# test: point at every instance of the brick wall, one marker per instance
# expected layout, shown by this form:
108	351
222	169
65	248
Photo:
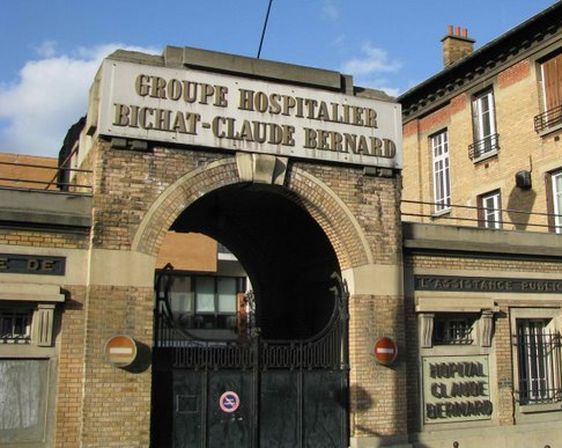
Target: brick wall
502	355
70	378
378	408
128	184
116	402
40	238
517	96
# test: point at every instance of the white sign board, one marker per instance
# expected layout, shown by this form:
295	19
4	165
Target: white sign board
456	388
193	107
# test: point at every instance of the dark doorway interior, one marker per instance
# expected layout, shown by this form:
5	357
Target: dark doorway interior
286	254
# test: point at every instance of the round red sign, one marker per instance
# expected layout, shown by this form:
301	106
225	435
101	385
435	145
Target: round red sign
385	350
121	350
229	401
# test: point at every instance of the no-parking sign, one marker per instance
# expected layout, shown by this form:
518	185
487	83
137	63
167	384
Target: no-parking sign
229	402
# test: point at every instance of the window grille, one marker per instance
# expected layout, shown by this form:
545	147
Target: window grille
539	362
15	326
453	330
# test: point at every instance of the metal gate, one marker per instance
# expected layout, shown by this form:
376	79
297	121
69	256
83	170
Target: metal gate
251	392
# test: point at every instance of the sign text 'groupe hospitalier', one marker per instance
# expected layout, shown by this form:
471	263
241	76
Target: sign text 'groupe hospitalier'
253	131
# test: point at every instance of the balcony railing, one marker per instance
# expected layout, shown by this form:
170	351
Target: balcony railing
29	176
548	119
423	211
485	146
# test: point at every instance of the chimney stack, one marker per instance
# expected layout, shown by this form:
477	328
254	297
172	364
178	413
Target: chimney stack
456	45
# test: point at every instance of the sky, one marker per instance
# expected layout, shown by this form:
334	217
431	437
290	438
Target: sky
51	49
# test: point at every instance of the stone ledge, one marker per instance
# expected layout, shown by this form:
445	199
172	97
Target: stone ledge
45	208
477	240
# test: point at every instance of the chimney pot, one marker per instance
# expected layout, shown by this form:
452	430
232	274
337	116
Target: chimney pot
456	45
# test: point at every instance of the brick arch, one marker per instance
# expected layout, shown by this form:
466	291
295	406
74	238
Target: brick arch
333	216
325	207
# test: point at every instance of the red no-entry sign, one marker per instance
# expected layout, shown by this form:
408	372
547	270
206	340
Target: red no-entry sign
385	350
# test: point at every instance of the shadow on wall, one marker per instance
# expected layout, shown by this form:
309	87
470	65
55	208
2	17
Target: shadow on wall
521	200
361	401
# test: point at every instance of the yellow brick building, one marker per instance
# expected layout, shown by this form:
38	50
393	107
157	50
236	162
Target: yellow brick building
364	329
482	137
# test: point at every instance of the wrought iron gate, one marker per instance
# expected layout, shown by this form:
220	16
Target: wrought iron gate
290	393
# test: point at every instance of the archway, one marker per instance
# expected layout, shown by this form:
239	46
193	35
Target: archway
295	352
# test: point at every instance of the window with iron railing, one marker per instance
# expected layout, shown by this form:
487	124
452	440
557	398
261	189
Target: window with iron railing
548	119
453	329
15	326
551	79
539	362
486	139
487	146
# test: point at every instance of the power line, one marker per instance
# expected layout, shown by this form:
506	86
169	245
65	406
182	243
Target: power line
264	27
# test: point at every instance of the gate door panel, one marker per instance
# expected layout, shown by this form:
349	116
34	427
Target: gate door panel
325	409
188	397
280	409
249	393
230	429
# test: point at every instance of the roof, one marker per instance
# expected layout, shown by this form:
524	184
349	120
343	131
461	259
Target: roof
504	50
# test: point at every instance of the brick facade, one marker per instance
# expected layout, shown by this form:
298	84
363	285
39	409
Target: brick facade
70	378
446	105
141	189
488	265
177	178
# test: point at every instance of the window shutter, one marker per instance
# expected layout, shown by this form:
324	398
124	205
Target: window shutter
549	202
552	73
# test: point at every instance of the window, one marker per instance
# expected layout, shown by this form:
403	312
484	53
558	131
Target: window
557	200
452	329
539	362
551	74
205	302
484	125
441	174
489	210
554	200
15	326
